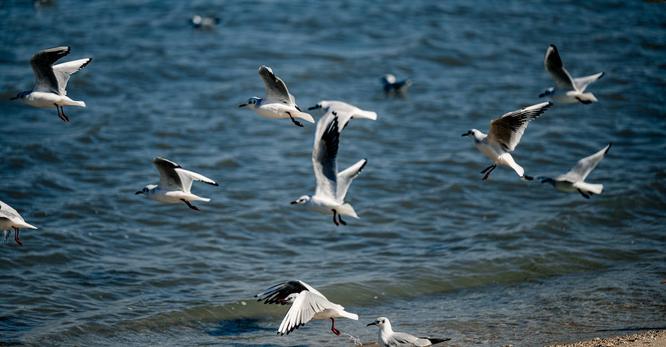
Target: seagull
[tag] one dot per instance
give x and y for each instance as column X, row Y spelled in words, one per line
column 306, row 304
column 203, row 22
column 343, row 108
column 503, row 137
column 9, row 218
column 278, row 103
column 332, row 185
column 574, row 180
column 568, row 90
column 175, row 184
column 391, row 84
column 51, row 81
column 389, row 338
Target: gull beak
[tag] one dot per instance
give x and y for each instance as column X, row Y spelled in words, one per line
column 373, row 323
column 14, row 98
column 314, row 107
column 293, row 202
column 139, row 192
column 467, row 134
column 242, row 105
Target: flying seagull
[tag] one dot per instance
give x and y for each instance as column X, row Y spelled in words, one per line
column 503, row 137
column 568, row 90
column 51, row 81
column 277, row 103
column 306, row 304
column 344, row 109
column 332, row 185
column 574, row 180
column 391, row 84
column 175, row 184
column 389, row 338
column 9, row 218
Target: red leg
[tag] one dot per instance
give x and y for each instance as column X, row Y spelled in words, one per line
column 16, row 237
column 333, row 329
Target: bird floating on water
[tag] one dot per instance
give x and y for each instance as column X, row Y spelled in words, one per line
column 574, row 180
column 568, row 89
column 278, row 102
column 389, row 338
column 9, row 218
column 51, row 81
column 204, row 22
column 306, row 304
column 175, row 184
column 503, row 137
column 392, row 85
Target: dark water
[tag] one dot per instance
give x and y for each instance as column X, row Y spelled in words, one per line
column 436, row 249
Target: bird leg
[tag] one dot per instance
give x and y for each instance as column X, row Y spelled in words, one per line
column 488, row 170
column 583, row 194
column 294, row 120
column 16, row 236
column 333, row 329
column 340, row 219
column 335, row 217
column 61, row 113
column 189, row 205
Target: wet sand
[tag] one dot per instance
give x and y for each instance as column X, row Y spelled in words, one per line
column 650, row 338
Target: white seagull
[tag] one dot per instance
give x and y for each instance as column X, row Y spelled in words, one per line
column 503, row 137
column 332, row 185
column 51, row 81
column 574, row 180
column 278, row 102
column 9, row 218
column 344, row 109
column 389, row 338
column 306, row 304
column 391, row 84
column 568, row 90
column 175, row 184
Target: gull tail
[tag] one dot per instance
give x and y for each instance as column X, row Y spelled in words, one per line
column 589, row 188
column 305, row 116
column 347, row 210
column 75, row 103
column 25, row 225
column 586, row 98
column 365, row 115
column 435, row 341
column 346, row 314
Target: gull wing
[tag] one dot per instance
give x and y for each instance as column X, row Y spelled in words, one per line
column 555, row 68
column 169, row 177
column 187, row 177
column 306, row 305
column 42, row 61
column 346, row 177
column 584, row 166
column 8, row 212
column 63, row 71
column 279, row 293
column 581, row 83
column 342, row 107
column 507, row 130
column 276, row 90
column 324, row 154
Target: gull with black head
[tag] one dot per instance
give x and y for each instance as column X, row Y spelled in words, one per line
column 51, row 81
column 175, row 184
column 278, row 102
column 332, row 186
column 503, row 137
column 568, row 89
column 306, row 304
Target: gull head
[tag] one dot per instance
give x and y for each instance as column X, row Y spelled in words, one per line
column 381, row 322
column 388, row 79
column 21, row 95
column 321, row 104
column 476, row 134
column 147, row 189
column 548, row 92
column 252, row 102
column 302, row 200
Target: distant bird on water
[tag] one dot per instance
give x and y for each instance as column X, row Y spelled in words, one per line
column 9, row 218
column 389, row 338
column 568, row 89
column 306, row 304
column 278, row 102
column 51, row 81
column 175, row 184
column 503, row 137
column 392, row 85
column 204, row 22
column 574, row 180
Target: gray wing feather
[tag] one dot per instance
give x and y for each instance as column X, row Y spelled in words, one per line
column 168, row 175
column 276, row 89
column 42, row 62
column 584, row 166
column 555, row 68
column 507, row 130
column 324, row 154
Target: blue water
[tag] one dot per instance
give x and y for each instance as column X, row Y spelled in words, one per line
column 436, row 250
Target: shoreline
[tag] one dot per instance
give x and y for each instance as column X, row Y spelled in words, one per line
column 647, row 338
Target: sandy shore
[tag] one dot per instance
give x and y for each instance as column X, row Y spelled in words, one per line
column 650, row 338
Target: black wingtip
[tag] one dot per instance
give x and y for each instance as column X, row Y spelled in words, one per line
column 603, row 73
column 86, row 63
column 608, row 148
